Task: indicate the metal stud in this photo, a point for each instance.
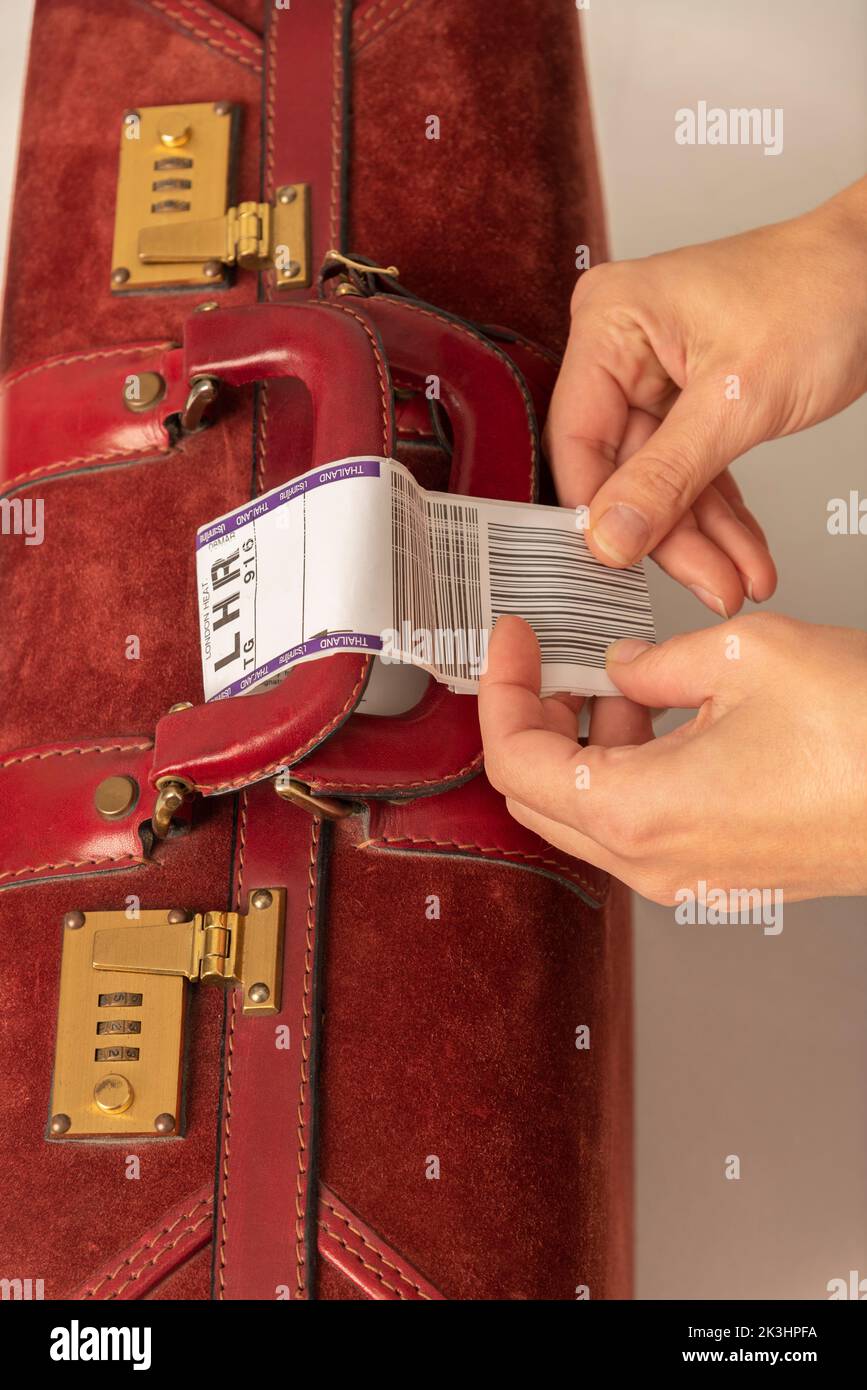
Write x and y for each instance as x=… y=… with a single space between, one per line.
x=151 y=387
x=261 y=898
x=73 y=920
x=182 y=704
x=115 y=797
x=222 y=108
x=60 y=1124
x=212 y=269
x=179 y=914
x=175 y=131
x=164 y=1124
x=259 y=993
x=120 y=275
x=287 y=195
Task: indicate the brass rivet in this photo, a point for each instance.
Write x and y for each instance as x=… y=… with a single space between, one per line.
x=164 y=1124
x=259 y=994
x=151 y=388
x=261 y=898
x=179 y=914
x=206 y=307
x=73 y=920
x=182 y=704
x=115 y=797
x=287 y=195
x=113 y=1094
x=59 y=1124
x=222 y=108
x=175 y=131
x=291 y=270
x=212 y=269
x=120 y=275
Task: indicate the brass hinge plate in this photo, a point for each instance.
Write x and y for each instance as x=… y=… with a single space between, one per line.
x=120 y=1027
x=173 y=225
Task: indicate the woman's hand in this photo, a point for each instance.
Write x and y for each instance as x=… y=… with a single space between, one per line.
x=679 y=363
x=765 y=788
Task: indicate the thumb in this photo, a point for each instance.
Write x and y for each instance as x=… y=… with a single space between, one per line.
x=682 y=672
x=644 y=498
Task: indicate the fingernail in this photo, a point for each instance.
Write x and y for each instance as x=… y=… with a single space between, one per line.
x=712 y=600
x=748 y=586
x=626 y=649
x=622 y=533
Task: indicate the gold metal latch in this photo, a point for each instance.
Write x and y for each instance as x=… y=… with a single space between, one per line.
x=173 y=223
x=120 y=1028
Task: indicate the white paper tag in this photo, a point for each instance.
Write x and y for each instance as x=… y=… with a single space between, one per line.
x=357 y=557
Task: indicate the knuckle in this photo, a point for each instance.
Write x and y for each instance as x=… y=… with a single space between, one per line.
x=621 y=828
x=586 y=285
x=769 y=629
x=669 y=480
x=604 y=281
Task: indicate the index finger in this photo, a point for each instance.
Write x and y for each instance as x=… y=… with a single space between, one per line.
x=586 y=421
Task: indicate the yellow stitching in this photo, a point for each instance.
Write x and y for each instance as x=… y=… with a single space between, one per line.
x=85 y=458
x=71 y=864
x=380 y=1256
x=486 y=849
x=15 y=377
x=230 y=1057
x=93 y=748
x=300 y=1181
x=148 y=1245
x=208 y=38
x=366 y=30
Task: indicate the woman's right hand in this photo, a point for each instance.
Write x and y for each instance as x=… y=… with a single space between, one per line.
x=679 y=363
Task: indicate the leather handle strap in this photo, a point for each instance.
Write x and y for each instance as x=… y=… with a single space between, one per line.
x=233 y=743
x=338 y=359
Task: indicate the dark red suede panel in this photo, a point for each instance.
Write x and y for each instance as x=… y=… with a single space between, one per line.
x=117 y=561
x=485 y=220
x=88 y=65
x=455 y=1038
x=64 y=1240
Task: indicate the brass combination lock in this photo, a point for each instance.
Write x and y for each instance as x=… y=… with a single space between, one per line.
x=123 y=982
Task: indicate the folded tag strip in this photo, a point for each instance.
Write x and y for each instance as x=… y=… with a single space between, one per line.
x=356 y=556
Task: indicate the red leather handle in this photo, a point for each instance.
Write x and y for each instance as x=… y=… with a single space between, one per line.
x=331 y=350
x=339 y=359
x=304 y=722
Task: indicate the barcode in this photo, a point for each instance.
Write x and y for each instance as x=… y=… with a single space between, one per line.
x=576 y=606
x=437 y=588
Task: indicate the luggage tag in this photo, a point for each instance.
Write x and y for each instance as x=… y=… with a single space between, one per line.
x=357 y=557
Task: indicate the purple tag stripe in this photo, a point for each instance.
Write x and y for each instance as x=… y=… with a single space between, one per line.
x=261 y=506
x=316 y=646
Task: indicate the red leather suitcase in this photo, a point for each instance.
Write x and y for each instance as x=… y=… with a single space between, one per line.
x=390 y=1097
